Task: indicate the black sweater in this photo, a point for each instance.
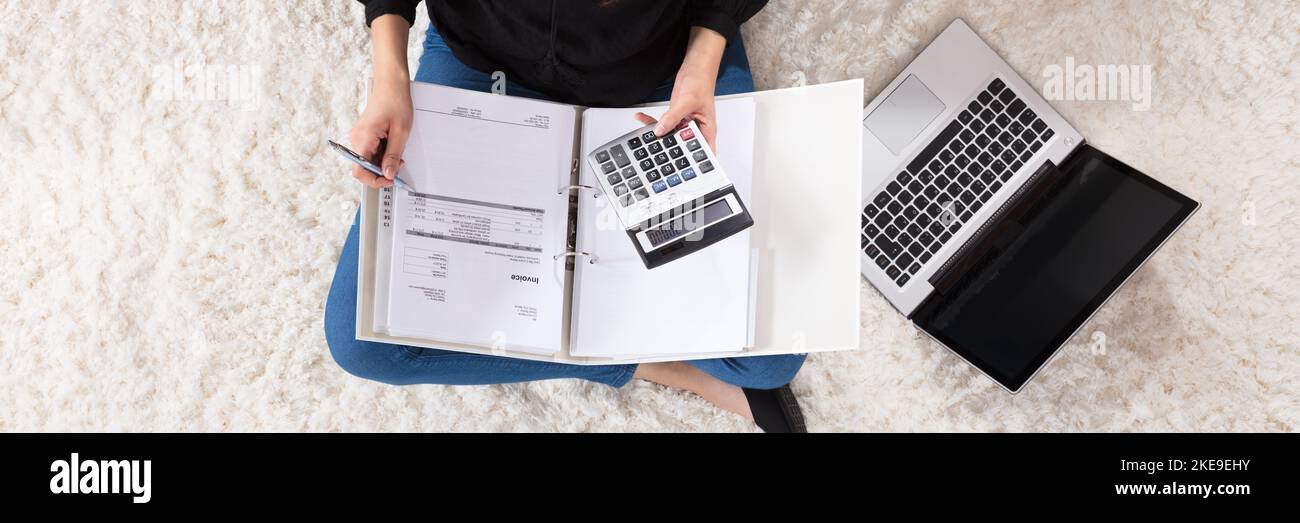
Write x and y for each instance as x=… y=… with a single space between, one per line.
x=608 y=53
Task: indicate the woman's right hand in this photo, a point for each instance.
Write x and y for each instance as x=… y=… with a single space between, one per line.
x=386 y=121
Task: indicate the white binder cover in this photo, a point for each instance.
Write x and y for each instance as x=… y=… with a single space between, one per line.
x=805 y=283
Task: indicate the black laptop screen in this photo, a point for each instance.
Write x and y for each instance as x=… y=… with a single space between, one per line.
x=1009 y=313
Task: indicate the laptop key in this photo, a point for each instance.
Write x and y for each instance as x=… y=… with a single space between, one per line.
x=985 y=97
x=904 y=197
x=993 y=187
x=882 y=261
x=894 y=208
x=892 y=272
x=965 y=117
x=893 y=188
x=1019 y=147
x=871 y=250
x=1015 y=107
x=996 y=106
x=881 y=199
x=1006 y=96
x=905 y=259
x=1047 y=134
x=902 y=279
x=888 y=246
x=976 y=125
x=871 y=210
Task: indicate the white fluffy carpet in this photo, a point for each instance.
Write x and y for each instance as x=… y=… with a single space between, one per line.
x=165 y=262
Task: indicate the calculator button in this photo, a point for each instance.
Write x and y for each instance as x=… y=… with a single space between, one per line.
x=686 y=134
x=682 y=163
x=646 y=164
x=634 y=183
x=607 y=167
x=602 y=157
x=652 y=175
x=675 y=152
x=648 y=136
x=688 y=173
x=628 y=173
x=641 y=194
x=674 y=180
x=660 y=159
x=620 y=190
x=667 y=170
x=614 y=178
x=699 y=156
x=655 y=147
x=640 y=154
x=634 y=143
x=706 y=167
x=669 y=141
x=625 y=200
x=693 y=145
x=659 y=186
x=620 y=156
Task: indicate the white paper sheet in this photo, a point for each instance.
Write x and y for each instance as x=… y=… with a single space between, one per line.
x=473 y=253
x=697 y=304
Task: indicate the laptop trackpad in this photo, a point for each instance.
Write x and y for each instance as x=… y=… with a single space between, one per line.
x=902 y=116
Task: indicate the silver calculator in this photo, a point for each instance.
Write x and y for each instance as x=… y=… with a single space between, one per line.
x=669 y=192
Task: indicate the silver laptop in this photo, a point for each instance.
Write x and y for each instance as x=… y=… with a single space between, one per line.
x=986 y=218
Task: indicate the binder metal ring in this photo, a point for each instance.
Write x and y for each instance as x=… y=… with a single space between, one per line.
x=572 y=188
x=591 y=258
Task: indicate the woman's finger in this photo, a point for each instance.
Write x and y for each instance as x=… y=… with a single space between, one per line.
x=366 y=177
x=645 y=118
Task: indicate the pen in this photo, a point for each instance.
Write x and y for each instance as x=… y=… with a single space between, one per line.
x=357 y=159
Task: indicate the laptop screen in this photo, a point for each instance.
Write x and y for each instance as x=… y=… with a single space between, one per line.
x=1053 y=266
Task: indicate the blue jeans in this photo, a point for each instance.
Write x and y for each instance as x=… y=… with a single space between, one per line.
x=405 y=365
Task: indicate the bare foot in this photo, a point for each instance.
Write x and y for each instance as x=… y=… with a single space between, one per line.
x=682 y=375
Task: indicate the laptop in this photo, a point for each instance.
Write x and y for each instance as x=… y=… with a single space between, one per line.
x=987 y=219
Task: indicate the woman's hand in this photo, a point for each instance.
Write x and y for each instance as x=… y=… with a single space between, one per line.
x=692 y=96
x=385 y=123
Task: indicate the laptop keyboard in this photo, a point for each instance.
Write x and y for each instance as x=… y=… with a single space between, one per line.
x=949 y=181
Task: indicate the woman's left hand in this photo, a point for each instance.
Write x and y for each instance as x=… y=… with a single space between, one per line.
x=692 y=96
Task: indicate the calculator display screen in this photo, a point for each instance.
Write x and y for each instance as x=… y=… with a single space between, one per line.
x=689 y=222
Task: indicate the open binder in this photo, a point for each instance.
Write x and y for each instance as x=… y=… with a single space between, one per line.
x=484 y=262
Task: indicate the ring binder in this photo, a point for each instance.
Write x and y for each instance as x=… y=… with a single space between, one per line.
x=591 y=258
x=572 y=188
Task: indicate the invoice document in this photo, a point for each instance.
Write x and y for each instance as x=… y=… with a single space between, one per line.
x=472 y=253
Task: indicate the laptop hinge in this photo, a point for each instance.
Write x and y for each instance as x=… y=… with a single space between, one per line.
x=1003 y=227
